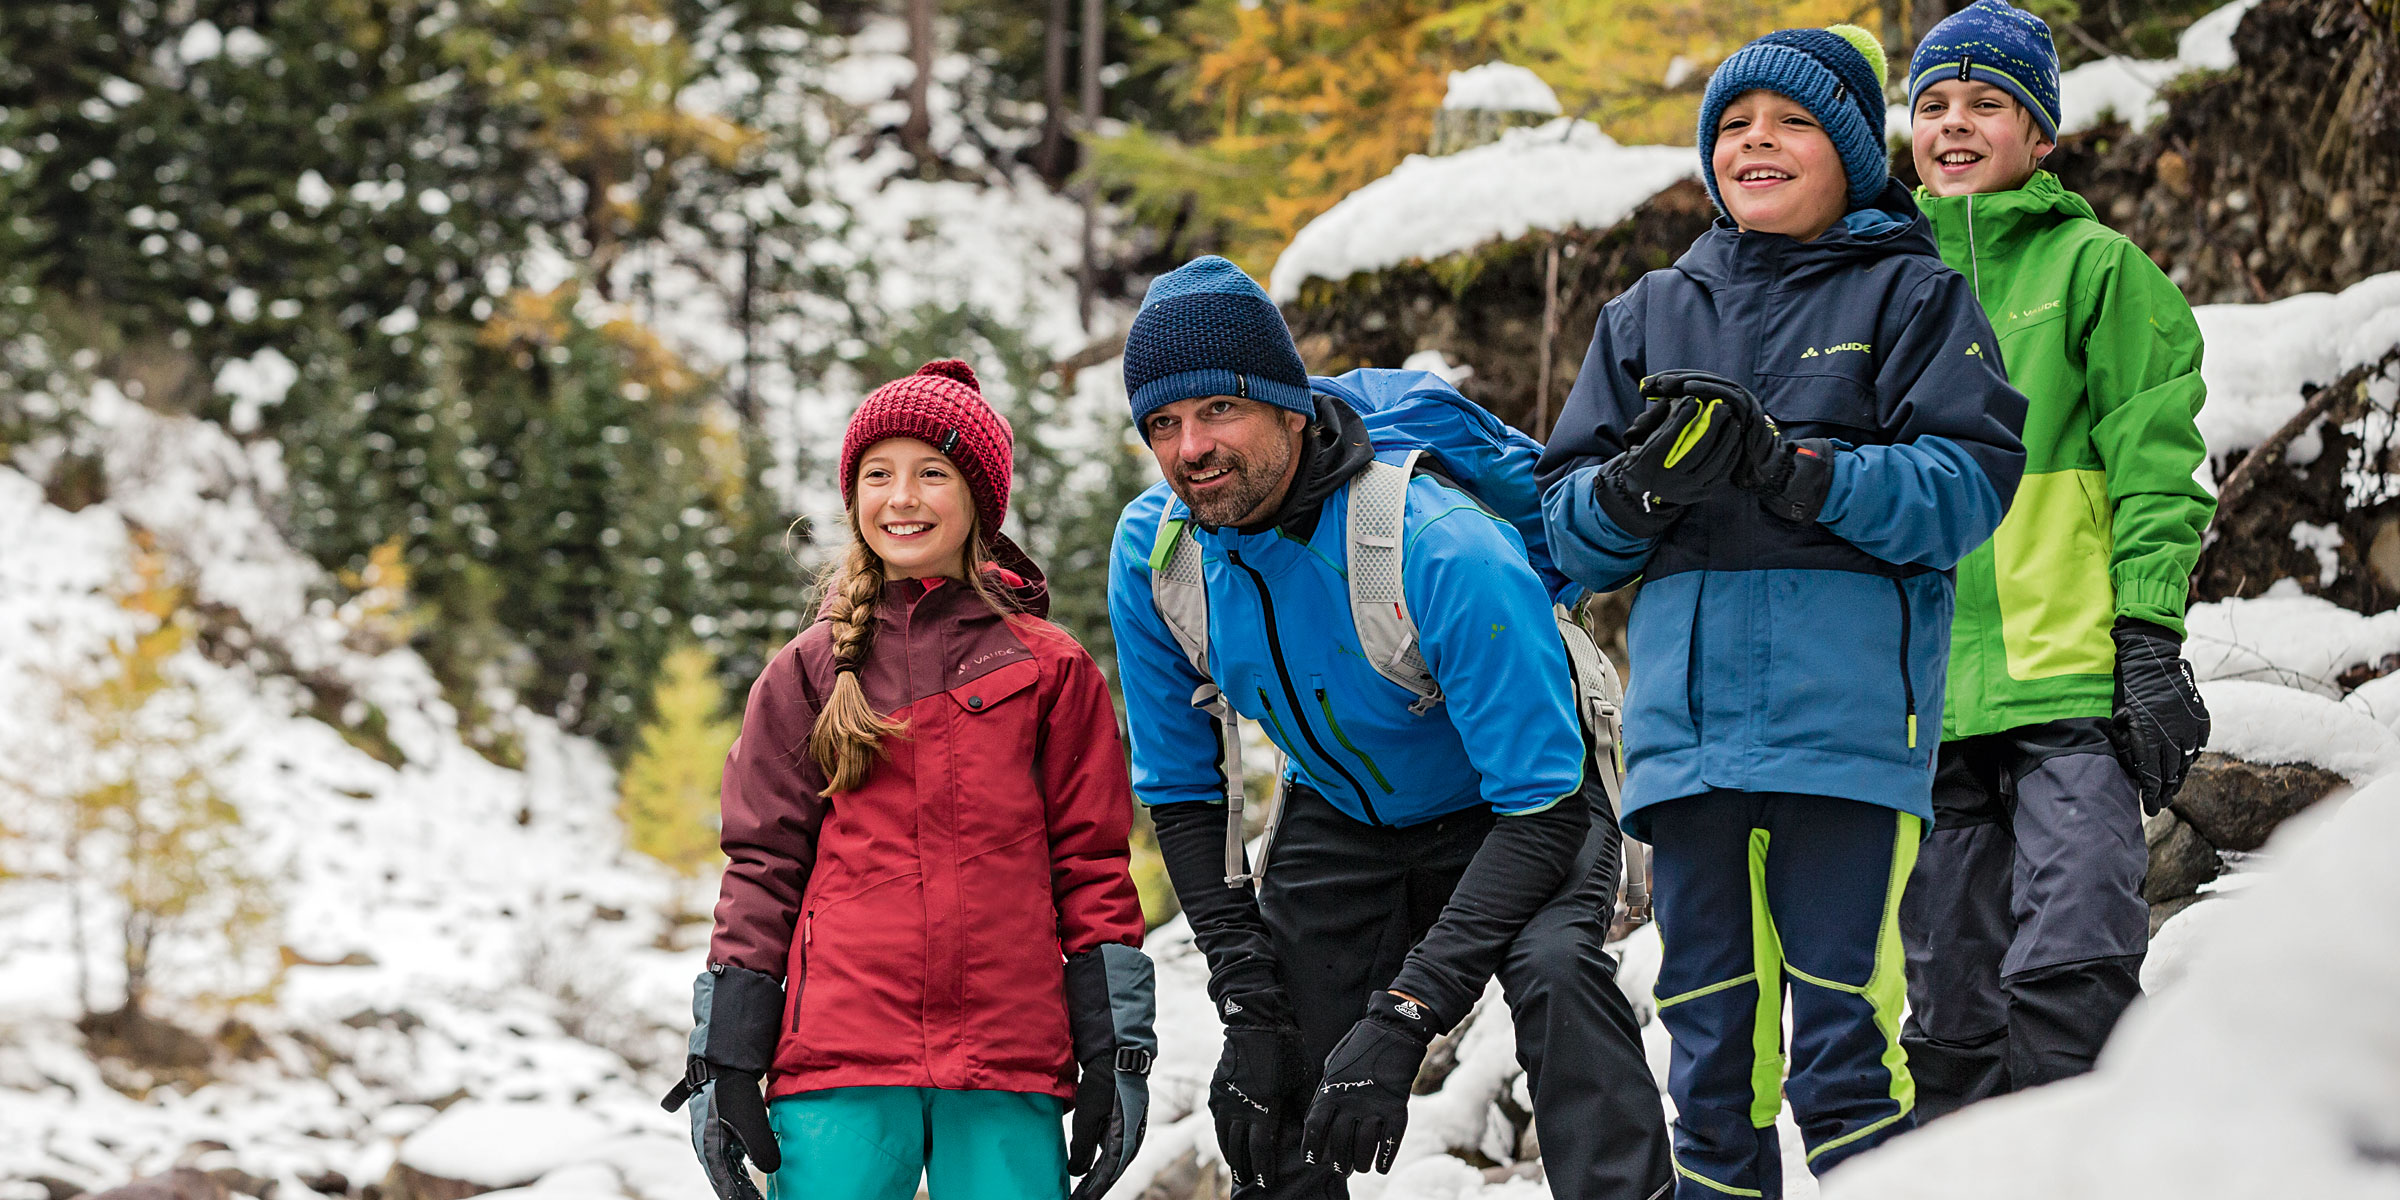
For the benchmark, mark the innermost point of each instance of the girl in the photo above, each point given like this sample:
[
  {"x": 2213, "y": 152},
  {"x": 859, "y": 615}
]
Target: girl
[{"x": 926, "y": 939}]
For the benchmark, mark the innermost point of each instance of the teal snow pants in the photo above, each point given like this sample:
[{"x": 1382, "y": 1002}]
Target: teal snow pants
[{"x": 873, "y": 1143}]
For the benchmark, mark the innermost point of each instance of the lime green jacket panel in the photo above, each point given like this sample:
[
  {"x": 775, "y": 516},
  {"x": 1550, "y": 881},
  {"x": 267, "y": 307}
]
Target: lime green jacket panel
[{"x": 2109, "y": 518}]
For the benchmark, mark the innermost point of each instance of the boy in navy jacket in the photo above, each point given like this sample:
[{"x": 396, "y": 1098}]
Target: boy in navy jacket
[{"x": 1791, "y": 435}]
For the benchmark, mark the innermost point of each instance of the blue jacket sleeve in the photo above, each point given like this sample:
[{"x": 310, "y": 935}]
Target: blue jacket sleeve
[
  {"x": 1485, "y": 627},
  {"x": 1939, "y": 489},
  {"x": 1589, "y": 548},
  {"x": 1175, "y": 746}
]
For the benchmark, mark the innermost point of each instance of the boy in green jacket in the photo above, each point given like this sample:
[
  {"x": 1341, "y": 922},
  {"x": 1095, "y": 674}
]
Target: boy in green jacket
[{"x": 2070, "y": 710}]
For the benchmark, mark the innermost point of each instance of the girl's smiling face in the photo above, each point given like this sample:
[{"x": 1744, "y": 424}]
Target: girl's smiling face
[
  {"x": 1776, "y": 168},
  {"x": 913, "y": 509}
]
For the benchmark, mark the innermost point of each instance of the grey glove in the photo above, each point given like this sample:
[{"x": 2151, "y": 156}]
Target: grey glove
[
  {"x": 1111, "y": 1004},
  {"x": 2160, "y": 723},
  {"x": 737, "y": 1016}
]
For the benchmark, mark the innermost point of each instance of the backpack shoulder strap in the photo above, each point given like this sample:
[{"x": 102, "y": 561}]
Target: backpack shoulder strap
[
  {"x": 1180, "y": 593},
  {"x": 1387, "y": 634}
]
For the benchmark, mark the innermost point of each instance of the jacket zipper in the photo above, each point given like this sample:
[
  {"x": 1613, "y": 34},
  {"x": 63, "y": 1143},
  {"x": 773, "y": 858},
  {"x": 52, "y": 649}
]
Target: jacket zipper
[
  {"x": 1908, "y": 687},
  {"x": 1284, "y": 675},
  {"x": 808, "y": 931},
  {"x": 1326, "y": 706},
  {"x": 1974, "y": 268}
]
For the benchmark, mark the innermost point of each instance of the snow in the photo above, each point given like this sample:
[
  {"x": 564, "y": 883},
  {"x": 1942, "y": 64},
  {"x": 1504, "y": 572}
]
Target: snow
[
  {"x": 2265, "y": 723},
  {"x": 1565, "y": 174},
  {"x": 2260, "y": 354},
  {"x": 2298, "y": 641},
  {"x": 504, "y": 1144},
  {"x": 2271, "y": 1069},
  {"x": 1501, "y": 87}
]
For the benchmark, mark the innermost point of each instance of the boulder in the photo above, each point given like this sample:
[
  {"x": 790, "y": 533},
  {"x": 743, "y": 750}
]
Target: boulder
[
  {"x": 2180, "y": 860},
  {"x": 182, "y": 1183},
  {"x": 478, "y": 1146},
  {"x": 2165, "y": 910},
  {"x": 2235, "y": 805}
]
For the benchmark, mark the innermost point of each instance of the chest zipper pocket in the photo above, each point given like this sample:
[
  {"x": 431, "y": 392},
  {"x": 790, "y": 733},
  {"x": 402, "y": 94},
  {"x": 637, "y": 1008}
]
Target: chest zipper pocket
[
  {"x": 1908, "y": 686},
  {"x": 1326, "y": 706}
]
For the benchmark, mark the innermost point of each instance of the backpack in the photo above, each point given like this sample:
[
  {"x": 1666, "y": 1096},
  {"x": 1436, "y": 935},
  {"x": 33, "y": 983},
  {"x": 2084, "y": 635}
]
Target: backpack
[{"x": 1437, "y": 429}]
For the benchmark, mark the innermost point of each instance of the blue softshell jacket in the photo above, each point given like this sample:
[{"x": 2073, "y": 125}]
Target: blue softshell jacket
[
  {"x": 1283, "y": 647},
  {"x": 1770, "y": 655}
]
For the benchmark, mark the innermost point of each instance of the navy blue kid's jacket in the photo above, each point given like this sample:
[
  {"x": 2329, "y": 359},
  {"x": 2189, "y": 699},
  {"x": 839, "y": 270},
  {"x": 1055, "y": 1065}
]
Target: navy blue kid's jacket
[{"x": 1769, "y": 655}]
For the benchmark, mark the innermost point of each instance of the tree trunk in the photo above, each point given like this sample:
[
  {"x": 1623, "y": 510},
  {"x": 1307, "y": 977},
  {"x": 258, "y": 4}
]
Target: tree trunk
[
  {"x": 1051, "y": 158},
  {"x": 1087, "y": 280},
  {"x": 916, "y": 134}
]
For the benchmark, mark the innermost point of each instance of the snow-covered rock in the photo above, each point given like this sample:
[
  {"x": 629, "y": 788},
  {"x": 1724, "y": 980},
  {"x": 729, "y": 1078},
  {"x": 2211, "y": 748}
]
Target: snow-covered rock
[
  {"x": 2259, "y": 355},
  {"x": 2264, "y": 723},
  {"x": 2271, "y": 1069},
  {"x": 1500, "y": 87},
  {"x": 2299, "y": 641},
  {"x": 1565, "y": 174}
]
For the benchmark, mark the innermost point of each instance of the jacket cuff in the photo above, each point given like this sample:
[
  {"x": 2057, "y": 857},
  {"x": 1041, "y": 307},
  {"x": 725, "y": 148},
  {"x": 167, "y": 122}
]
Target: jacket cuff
[
  {"x": 2160, "y": 601},
  {"x": 737, "y": 1017}
]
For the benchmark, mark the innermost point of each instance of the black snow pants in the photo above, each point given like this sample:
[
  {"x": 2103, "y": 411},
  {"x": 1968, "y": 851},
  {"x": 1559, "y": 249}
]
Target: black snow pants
[
  {"x": 2024, "y": 920},
  {"x": 1345, "y": 901}
]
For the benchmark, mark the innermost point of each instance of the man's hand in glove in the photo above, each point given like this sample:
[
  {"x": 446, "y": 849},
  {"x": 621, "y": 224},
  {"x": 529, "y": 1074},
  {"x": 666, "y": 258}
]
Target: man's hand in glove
[
  {"x": 2160, "y": 723},
  {"x": 1111, "y": 1003},
  {"x": 1361, "y": 1108},
  {"x": 1789, "y": 476},
  {"x": 737, "y": 1017},
  {"x": 1678, "y": 451},
  {"x": 1258, "y": 1086}
]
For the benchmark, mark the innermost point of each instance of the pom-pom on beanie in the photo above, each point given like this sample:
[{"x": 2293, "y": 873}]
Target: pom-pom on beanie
[
  {"x": 2001, "y": 45},
  {"x": 941, "y": 405},
  {"x": 1836, "y": 73},
  {"x": 1206, "y": 329}
]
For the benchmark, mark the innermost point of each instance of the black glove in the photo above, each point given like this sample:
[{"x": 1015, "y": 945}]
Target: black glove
[
  {"x": 1789, "y": 476},
  {"x": 1111, "y": 1004},
  {"x": 1678, "y": 451},
  {"x": 1257, "y": 1086},
  {"x": 737, "y": 1016},
  {"x": 1361, "y": 1107},
  {"x": 2160, "y": 723}
]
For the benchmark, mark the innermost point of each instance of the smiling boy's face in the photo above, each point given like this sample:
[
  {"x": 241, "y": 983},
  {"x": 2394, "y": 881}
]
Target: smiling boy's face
[
  {"x": 1968, "y": 136},
  {"x": 1776, "y": 167}
]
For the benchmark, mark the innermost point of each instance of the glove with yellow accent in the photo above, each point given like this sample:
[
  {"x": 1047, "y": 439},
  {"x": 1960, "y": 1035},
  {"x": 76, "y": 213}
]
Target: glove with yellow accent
[
  {"x": 1679, "y": 450},
  {"x": 1790, "y": 476}
]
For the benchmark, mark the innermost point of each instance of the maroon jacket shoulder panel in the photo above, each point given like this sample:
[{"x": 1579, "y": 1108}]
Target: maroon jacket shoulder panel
[{"x": 772, "y": 808}]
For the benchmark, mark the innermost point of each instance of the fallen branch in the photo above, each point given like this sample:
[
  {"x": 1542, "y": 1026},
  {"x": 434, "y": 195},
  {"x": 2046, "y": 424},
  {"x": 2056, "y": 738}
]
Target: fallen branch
[{"x": 2254, "y": 465}]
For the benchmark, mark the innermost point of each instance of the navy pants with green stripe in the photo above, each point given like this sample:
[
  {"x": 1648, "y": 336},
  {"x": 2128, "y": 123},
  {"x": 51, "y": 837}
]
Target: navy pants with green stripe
[{"x": 1764, "y": 900}]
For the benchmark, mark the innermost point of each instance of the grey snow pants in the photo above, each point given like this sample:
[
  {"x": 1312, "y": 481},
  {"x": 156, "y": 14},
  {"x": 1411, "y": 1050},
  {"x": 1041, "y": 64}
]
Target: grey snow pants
[{"x": 2024, "y": 922}]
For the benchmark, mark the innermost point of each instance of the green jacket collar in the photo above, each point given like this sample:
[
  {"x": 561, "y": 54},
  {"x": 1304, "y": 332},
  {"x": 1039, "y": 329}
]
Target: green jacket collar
[{"x": 2042, "y": 203}]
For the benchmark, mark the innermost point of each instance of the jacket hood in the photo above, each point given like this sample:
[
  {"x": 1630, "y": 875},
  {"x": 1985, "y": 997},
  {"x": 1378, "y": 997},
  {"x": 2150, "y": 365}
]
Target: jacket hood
[
  {"x": 1011, "y": 571},
  {"x": 1333, "y": 448},
  {"x": 2043, "y": 202},
  {"x": 1891, "y": 225}
]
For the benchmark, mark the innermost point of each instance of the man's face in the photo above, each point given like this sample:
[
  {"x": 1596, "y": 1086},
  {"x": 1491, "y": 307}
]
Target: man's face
[
  {"x": 1969, "y": 136},
  {"x": 1229, "y": 459}
]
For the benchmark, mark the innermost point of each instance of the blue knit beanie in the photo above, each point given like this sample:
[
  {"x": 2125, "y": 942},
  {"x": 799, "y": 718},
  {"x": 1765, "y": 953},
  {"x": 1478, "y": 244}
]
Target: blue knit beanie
[
  {"x": 2001, "y": 45},
  {"x": 1206, "y": 329},
  {"x": 1835, "y": 73}
]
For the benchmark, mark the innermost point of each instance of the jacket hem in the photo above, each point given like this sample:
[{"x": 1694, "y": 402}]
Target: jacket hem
[
  {"x": 1902, "y": 786},
  {"x": 2017, "y": 714},
  {"x": 1040, "y": 1083}
]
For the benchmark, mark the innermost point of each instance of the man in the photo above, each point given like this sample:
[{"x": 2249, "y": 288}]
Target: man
[
  {"x": 1424, "y": 846},
  {"x": 2070, "y": 709}
]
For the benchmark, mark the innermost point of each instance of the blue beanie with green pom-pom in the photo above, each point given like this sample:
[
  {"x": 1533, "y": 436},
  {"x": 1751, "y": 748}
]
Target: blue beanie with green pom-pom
[{"x": 1836, "y": 73}]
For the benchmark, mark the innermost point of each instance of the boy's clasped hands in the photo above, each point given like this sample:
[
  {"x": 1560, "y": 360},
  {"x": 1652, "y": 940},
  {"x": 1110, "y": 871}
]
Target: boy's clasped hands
[{"x": 1703, "y": 433}]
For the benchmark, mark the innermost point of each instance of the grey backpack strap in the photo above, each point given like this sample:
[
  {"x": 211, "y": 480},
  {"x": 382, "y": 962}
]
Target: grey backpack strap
[
  {"x": 1180, "y": 593},
  {"x": 1600, "y": 702},
  {"x": 1387, "y": 635}
]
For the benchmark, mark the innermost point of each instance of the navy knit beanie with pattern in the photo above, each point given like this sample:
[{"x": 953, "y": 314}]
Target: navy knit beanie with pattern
[
  {"x": 1206, "y": 329},
  {"x": 1836, "y": 73},
  {"x": 2001, "y": 45}
]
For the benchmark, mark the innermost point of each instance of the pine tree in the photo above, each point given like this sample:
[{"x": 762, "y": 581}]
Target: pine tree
[{"x": 668, "y": 795}]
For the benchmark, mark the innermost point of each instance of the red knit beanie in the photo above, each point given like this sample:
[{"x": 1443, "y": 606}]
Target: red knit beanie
[{"x": 941, "y": 405}]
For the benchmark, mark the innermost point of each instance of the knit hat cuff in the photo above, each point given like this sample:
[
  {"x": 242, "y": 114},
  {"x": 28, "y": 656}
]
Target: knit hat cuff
[
  {"x": 1934, "y": 73},
  {"x": 1217, "y": 381}
]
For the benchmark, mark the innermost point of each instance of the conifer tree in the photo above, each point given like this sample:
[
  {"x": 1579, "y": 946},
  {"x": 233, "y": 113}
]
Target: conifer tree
[{"x": 668, "y": 794}]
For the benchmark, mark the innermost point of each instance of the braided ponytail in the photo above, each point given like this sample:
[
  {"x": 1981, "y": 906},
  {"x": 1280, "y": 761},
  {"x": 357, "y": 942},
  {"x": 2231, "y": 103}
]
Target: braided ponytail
[{"x": 848, "y": 736}]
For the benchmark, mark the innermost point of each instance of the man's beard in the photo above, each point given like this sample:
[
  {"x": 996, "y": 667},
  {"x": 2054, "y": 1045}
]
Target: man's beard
[{"x": 1248, "y": 484}]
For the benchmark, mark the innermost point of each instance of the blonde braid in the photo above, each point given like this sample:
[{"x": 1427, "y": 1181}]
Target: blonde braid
[{"x": 849, "y": 733}]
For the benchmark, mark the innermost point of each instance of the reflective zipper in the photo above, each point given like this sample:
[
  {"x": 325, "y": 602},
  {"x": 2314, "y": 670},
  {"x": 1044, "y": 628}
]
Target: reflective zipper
[
  {"x": 808, "y": 931},
  {"x": 1327, "y": 707},
  {"x": 1283, "y": 675}
]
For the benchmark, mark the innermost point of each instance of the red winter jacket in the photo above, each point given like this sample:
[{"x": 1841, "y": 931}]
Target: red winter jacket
[{"x": 921, "y": 921}]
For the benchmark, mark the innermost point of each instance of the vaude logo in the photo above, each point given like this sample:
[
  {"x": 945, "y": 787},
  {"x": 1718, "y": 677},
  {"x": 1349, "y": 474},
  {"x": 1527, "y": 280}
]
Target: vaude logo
[{"x": 1409, "y": 1009}]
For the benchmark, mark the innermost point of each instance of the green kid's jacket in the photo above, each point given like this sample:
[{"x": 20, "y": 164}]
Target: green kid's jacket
[{"x": 2107, "y": 522}]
